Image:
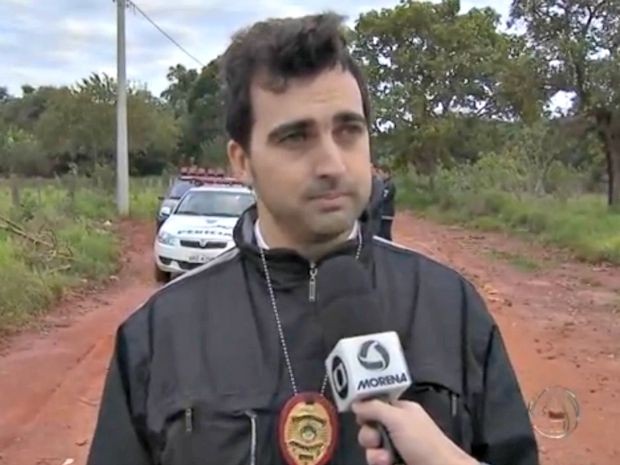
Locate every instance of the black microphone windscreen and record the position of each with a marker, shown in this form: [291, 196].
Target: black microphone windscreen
[348, 304]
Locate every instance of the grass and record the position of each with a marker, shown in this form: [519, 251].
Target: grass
[32, 278]
[144, 200]
[518, 261]
[583, 224]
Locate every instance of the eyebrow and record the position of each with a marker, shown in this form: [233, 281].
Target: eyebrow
[303, 124]
[350, 117]
[285, 128]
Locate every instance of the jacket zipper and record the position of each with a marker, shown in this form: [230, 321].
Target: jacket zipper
[312, 283]
[252, 416]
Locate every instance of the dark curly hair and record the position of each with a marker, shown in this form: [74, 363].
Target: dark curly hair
[276, 50]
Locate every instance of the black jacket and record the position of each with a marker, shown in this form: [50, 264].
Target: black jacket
[375, 204]
[389, 195]
[197, 375]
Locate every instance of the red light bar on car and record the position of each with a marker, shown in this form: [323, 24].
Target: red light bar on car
[211, 180]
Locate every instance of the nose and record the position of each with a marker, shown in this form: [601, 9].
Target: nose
[329, 159]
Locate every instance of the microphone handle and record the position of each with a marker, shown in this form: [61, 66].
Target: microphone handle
[387, 444]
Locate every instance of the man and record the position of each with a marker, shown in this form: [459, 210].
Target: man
[226, 364]
[387, 205]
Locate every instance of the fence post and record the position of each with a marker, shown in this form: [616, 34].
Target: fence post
[15, 198]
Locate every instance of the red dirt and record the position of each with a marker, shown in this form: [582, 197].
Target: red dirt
[51, 381]
[560, 323]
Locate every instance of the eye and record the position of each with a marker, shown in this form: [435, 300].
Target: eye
[294, 137]
[351, 128]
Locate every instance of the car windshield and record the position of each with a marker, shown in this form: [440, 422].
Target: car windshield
[215, 203]
[179, 188]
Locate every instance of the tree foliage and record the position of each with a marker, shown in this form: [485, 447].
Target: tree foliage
[449, 87]
[198, 103]
[433, 70]
[579, 41]
[77, 125]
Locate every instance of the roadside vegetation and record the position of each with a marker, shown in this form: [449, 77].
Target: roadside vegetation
[466, 109]
[61, 234]
[502, 191]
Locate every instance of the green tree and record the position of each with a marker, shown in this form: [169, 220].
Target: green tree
[579, 40]
[99, 88]
[206, 107]
[429, 67]
[198, 104]
[25, 111]
[177, 93]
[212, 153]
[80, 124]
[21, 153]
[4, 94]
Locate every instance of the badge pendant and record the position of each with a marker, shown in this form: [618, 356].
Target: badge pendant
[308, 429]
[308, 426]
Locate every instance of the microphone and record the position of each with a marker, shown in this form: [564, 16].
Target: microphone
[366, 359]
[367, 367]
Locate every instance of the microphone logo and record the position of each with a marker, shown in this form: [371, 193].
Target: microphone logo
[339, 378]
[373, 356]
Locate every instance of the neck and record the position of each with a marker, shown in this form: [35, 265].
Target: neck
[275, 238]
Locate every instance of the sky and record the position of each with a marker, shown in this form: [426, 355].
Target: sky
[59, 42]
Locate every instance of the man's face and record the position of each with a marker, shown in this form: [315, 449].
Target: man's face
[309, 158]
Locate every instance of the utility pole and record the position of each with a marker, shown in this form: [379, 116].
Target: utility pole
[122, 156]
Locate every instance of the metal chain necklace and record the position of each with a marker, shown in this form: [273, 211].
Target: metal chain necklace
[276, 314]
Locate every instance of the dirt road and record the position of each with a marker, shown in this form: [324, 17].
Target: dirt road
[50, 381]
[560, 319]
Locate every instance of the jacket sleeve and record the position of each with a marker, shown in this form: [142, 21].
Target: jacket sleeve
[116, 439]
[504, 431]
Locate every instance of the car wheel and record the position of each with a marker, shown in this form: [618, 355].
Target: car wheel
[162, 277]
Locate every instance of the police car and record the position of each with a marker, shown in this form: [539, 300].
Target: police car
[189, 177]
[199, 228]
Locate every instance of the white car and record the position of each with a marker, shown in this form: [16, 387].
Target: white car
[199, 228]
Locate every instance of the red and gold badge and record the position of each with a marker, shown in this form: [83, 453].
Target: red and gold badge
[308, 430]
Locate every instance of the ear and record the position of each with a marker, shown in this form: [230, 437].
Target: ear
[240, 163]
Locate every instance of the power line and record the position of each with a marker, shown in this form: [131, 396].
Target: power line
[168, 36]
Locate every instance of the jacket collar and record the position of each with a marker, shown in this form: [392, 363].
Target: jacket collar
[287, 268]
[260, 241]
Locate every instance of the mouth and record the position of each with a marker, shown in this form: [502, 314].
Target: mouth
[331, 201]
[333, 195]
